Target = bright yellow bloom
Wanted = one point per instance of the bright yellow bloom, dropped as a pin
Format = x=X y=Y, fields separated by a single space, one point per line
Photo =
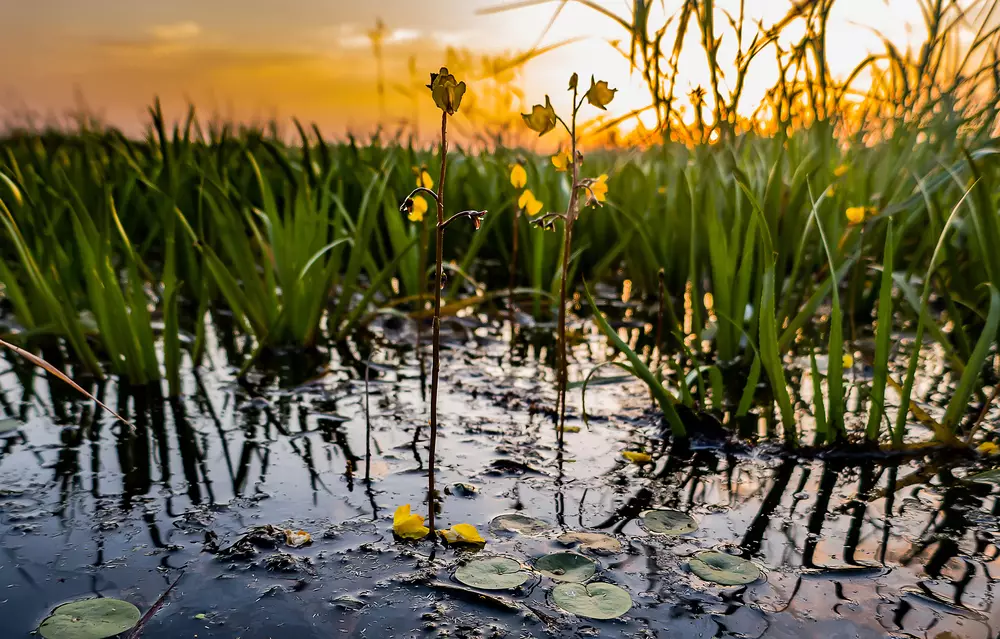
x=636 y=458
x=425 y=180
x=840 y=170
x=518 y=176
x=847 y=361
x=562 y=160
x=407 y=525
x=462 y=534
x=855 y=214
x=599 y=188
x=528 y=203
x=419 y=208
x=988 y=448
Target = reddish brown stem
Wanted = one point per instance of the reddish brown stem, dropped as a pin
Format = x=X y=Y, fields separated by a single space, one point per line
x=436 y=326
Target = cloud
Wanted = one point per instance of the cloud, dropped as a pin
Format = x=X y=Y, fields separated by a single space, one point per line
x=354 y=36
x=175 y=31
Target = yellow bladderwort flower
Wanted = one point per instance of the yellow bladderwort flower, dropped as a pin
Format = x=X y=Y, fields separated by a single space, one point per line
x=462 y=534
x=416 y=213
x=542 y=118
x=446 y=91
x=562 y=160
x=529 y=203
x=855 y=214
x=847 y=360
x=599 y=94
x=830 y=191
x=988 y=448
x=840 y=170
x=518 y=176
x=599 y=188
x=408 y=525
x=425 y=180
x=636 y=458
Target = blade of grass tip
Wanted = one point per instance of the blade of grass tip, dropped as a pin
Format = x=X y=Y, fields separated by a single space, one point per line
x=663 y=397
x=911 y=369
x=883 y=333
x=55 y=372
x=967 y=384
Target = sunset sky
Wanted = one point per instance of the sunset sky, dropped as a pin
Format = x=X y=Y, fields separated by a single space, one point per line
x=246 y=59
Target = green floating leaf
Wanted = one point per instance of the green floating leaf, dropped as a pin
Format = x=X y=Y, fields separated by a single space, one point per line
x=514 y=523
x=725 y=569
x=566 y=566
x=598 y=543
x=10 y=425
x=596 y=601
x=493 y=573
x=89 y=619
x=988 y=477
x=668 y=522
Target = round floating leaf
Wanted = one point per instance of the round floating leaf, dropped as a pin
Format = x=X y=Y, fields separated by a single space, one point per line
x=514 y=523
x=492 y=573
x=668 y=522
x=89 y=619
x=10 y=426
x=724 y=569
x=598 y=543
x=566 y=566
x=597 y=600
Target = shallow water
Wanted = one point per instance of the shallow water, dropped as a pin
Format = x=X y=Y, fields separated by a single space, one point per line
x=850 y=546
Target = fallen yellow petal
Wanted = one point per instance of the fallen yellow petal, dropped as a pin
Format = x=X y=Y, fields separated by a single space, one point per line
x=636 y=458
x=297 y=538
x=847 y=360
x=407 y=525
x=988 y=448
x=462 y=534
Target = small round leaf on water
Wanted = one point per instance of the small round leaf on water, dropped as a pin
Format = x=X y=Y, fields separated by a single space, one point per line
x=724 y=569
x=668 y=522
x=566 y=566
x=492 y=573
x=89 y=619
x=514 y=523
x=596 y=601
x=598 y=543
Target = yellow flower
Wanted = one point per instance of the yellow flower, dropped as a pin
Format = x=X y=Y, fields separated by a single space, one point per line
x=662 y=190
x=528 y=203
x=840 y=170
x=830 y=191
x=636 y=458
x=599 y=94
x=988 y=448
x=462 y=534
x=562 y=160
x=542 y=118
x=599 y=188
x=855 y=214
x=447 y=91
x=847 y=360
x=518 y=176
x=425 y=180
x=407 y=525
x=418 y=210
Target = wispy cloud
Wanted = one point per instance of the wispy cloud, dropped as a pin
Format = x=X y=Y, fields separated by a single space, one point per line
x=175 y=31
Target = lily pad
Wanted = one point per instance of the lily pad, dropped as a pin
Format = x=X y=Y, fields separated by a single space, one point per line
x=514 y=523
x=10 y=426
x=89 y=619
x=566 y=566
x=668 y=522
x=596 y=601
x=597 y=543
x=988 y=477
x=493 y=573
x=724 y=569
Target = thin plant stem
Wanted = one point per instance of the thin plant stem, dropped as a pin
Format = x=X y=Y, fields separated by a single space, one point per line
x=436 y=326
x=567 y=244
x=512 y=278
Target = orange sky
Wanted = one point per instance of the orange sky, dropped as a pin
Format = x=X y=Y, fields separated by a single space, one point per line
x=251 y=59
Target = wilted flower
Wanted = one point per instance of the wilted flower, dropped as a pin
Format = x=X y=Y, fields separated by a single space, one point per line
x=408 y=525
x=518 y=176
x=542 y=118
x=562 y=160
x=424 y=179
x=462 y=534
x=599 y=94
x=447 y=91
x=528 y=203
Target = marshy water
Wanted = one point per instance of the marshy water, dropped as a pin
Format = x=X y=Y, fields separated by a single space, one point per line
x=850 y=544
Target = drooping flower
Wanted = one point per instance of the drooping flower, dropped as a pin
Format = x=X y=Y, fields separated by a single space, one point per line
x=518 y=176
x=425 y=180
x=599 y=94
x=542 y=118
x=417 y=209
x=562 y=160
x=408 y=525
x=529 y=203
x=462 y=534
x=599 y=189
x=447 y=91
x=636 y=458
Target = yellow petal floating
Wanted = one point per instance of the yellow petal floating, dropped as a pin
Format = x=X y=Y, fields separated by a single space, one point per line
x=297 y=538
x=462 y=534
x=840 y=170
x=518 y=176
x=528 y=203
x=542 y=119
x=425 y=180
x=855 y=214
x=599 y=94
x=636 y=458
x=408 y=525
x=562 y=160
x=988 y=448
x=419 y=208
x=599 y=189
